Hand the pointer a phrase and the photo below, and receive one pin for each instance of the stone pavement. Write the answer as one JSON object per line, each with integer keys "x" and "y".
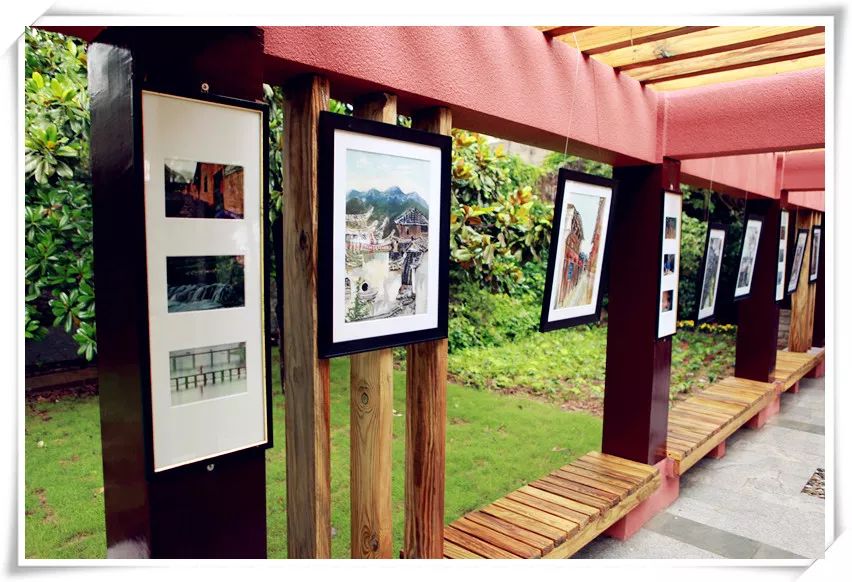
{"x": 749, "y": 503}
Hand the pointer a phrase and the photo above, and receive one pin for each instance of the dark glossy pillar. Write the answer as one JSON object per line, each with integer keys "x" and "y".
{"x": 188, "y": 512}
{"x": 638, "y": 365}
{"x": 757, "y": 314}
{"x": 819, "y": 303}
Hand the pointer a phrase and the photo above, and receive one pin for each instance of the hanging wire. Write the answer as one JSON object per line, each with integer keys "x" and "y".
{"x": 709, "y": 192}
{"x": 573, "y": 93}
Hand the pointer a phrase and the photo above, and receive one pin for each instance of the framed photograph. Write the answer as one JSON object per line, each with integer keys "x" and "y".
{"x": 783, "y": 230}
{"x": 669, "y": 265}
{"x": 383, "y": 256}
{"x": 711, "y": 269}
{"x": 578, "y": 248}
{"x": 748, "y": 256}
{"x": 206, "y": 227}
{"x": 798, "y": 259}
{"x": 816, "y": 241}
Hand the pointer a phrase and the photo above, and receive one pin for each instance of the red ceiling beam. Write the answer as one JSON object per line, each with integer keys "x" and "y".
{"x": 804, "y": 171}
{"x": 779, "y": 113}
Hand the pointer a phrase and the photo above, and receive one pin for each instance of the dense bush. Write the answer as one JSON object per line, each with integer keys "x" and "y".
{"x": 692, "y": 238}
{"x": 58, "y": 210}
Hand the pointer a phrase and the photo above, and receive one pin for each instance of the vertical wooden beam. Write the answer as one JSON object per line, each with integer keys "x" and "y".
{"x": 371, "y": 417}
{"x": 638, "y": 365}
{"x": 305, "y": 375}
{"x": 819, "y": 301}
{"x": 803, "y": 300}
{"x": 757, "y": 321}
{"x": 425, "y": 419}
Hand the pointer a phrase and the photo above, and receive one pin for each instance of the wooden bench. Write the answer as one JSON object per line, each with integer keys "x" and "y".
{"x": 702, "y": 422}
{"x": 556, "y": 515}
{"x": 790, "y": 367}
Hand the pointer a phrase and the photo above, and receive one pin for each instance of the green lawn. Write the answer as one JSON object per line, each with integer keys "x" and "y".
{"x": 495, "y": 443}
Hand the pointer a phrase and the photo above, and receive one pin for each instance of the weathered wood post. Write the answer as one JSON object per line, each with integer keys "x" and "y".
{"x": 194, "y": 511}
{"x": 425, "y": 419}
{"x": 757, "y": 314}
{"x": 802, "y": 301}
{"x": 371, "y": 417}
{"x": 306, "y": 380}
{"x": 638, "y": 365}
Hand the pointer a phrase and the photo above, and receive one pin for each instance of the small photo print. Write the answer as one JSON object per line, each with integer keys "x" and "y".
{"x": 671, "y": 227}
{"x": 668, "y": 301}
{"x": 668, "y": 264}
{"x": 207, "y": 282}
{"x": 207, "y": 373}
{"x": 203, "y": 190}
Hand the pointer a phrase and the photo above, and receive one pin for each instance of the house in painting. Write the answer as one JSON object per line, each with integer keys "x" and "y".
{"x": 572, "y": 260}
{"x": 214, "y": 191}
{"x": 411, "y": 223}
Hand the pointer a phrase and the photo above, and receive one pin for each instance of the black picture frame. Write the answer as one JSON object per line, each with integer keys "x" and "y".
{"x": 566, "y": 175}
{"x": 799, "y": 233}
{"x": 265, "y": 267}
{"x": 700, "y": 277}
{"x": 813, "y": 259}
{"x": 749, "y": 217}
{"x": 329, "y": 124}
{"x": 783, "y": 243}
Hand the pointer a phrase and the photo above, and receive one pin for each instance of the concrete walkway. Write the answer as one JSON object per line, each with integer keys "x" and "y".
{"x": 748, "y": 504}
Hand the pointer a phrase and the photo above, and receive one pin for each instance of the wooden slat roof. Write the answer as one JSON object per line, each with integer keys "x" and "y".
{"x": 667, "y": 58}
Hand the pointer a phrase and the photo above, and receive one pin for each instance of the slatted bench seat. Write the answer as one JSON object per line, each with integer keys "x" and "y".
{"x": 556, "y": 515}
{"x": 700, "y": 423}
{"x": 790, "y": 367}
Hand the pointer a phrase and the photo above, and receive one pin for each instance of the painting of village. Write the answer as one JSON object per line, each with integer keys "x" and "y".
{"x": 203, "y": 190}
{"x": 386, "y": 236}
{"x": 582, "y": 221}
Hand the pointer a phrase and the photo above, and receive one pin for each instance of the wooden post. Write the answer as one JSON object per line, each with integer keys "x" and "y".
{"x": 819, "y": 302}
{"x": 305, "y": 375}
{"x": 803, "y": 300}
{"x": 638, "y": 365}
{"x": 190, "y": 511}
{"x": 757, "y": 321}
{"x": 371, "y": 418}
{"x": 425, "y": 419}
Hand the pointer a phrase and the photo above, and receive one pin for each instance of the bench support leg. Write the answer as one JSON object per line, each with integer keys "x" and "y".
{"x": 668, "y": 491}
{"x": 759, "y": 419}
{"x": 818, "y": 371}
{"x": 719, "y": 451}
{"x": 794, "y": 389}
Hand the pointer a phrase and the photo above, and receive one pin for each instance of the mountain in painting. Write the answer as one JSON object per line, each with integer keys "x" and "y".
{"x": 389, "y": 203}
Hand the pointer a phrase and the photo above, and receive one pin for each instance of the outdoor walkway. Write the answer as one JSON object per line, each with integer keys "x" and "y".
{"x": 748, "y": 504}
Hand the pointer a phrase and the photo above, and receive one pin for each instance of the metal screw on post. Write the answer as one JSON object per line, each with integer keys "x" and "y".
{"x": 211, "y": 466}
{"x": 205, "y": 88}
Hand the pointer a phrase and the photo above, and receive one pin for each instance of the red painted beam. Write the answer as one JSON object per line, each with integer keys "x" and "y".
{"x": 813, "y": 199}
{"x": 780, "y": 113}
{"x": 734, "y": 175}
{"x": 804, "y": 171}
{"x": 509, "y": 82}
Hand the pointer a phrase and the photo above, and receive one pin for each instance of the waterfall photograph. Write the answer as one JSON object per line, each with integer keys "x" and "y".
{"x": 207, "y": 372}
{"x": 208, "y": 282}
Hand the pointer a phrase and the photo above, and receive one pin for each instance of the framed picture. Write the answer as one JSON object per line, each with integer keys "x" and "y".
{"x": 798, "y": 259}
{"x": 669, "y": 265}
{"x": 748, "y": 256}
{"x": 783, "y": 230}
{"x": 578, "y": 249}
{"x": 816, "y": 241}
{"x": 384, "y": 212}
{"x": 206, "y": 227}
{"x": 711, "y": 269}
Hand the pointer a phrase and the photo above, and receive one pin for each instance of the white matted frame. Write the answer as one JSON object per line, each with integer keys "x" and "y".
{"x": 222, "y": 131}
{"x": 711, "y": 272}
{"x": 748, "y": 256}
{"x": 669, "y": 275}
{"x": 816, "y": 247}
{"x": 783, "y": 236}
{"x": 583, "y": 203}
{"x": 798, "y": 260}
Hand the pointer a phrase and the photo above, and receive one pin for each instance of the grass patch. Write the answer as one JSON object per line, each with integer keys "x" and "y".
{"x": 495, "y": 444}
{"x": 569, "y": 365}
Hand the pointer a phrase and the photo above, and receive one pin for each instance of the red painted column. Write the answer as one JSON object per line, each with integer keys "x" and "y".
{"x": 757, "y": 320}
{"x": 638, "y": 365}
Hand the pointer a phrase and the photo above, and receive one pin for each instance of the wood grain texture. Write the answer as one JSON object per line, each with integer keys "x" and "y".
{"x": 371, "y": 416}
{"x": 306, "y": 380}
{"x": 803, "y": 300}
{"x": 546, "y": 519}
{"x": 751, "y": 72}
{"x": 425, "y": 419}
{"x": 792, "y": 366}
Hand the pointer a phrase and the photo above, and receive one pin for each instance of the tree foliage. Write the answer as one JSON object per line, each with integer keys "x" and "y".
{"x": 58, "y": 209}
